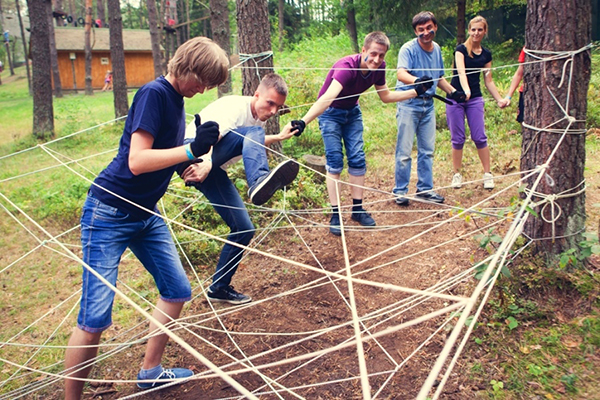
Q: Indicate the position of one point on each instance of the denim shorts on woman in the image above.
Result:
(105, 234)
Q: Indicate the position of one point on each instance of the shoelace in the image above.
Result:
(165, 374)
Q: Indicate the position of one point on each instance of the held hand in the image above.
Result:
(287, 132)
(196, 172)
(426, 81)
(299, 126)
(503, 103)
(207, 135)
(458, 96)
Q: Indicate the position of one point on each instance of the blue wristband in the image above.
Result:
(188, 152)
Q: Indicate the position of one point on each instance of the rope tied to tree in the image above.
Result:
(551, 200)
(265, 55)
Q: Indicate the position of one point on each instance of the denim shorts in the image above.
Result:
(339, 126)
(106, 232)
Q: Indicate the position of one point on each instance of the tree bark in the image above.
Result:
(461, 6)
(100, 13)
(556, 26)
(219, 25)
(155, 38)
(117, 55)
(255, 38)
(43, 112)
(54, 55)
(89, 91)
(280, 11)
(351, 24)
(26, 55)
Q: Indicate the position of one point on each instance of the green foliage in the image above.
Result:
(593, 105)
(488, 238)
(586, 248)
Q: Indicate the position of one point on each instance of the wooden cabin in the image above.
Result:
(70, 46)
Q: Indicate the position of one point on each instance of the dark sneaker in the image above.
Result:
(431, 196)
(228, 295)
(401, 200)
(166, 376)
(281, 176)
(363, 218)
(334, 225)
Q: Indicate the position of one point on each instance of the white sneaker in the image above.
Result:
(456, 181)
(488, 181)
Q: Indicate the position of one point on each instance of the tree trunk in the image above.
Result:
(219, 24)
(117, 56)
(43, 112)
(155, 38)
(280, 23)
(556, 26)
(54, 56)
(461, 6)
(26, 55)
(351, 24)
(101, 15)
(57, 7)
(72, 12)
(9, 57)
(88, 48)
(255, 42)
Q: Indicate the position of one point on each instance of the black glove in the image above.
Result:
(299, 126)
(458, 96)
(207, 135)
(421, 89)
(426, 81)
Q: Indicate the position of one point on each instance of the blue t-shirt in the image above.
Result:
(419, 63)
(346, 71)
(158, 109)
(478, 61)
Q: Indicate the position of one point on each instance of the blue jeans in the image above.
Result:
(415, 117)
(337, 126)
(105, 234)
(225, 198)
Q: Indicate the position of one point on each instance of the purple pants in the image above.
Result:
(455, 115)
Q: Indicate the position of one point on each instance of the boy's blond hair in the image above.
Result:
(202, 59)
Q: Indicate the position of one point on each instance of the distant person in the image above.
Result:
(112, 220)
(340, 120)
(470, 58)
(241, 122)
(107, 81)
(419, 62)
(516, 80)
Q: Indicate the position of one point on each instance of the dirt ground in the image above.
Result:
(282, 324)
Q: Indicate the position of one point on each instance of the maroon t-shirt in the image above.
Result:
(346, 71)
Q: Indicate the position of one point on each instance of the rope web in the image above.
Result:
(360, 318)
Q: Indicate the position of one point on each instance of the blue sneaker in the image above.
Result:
(227, 295)
(334, 225)
(166, 376)
(363, 218)
(431, 196)
(401, 200)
